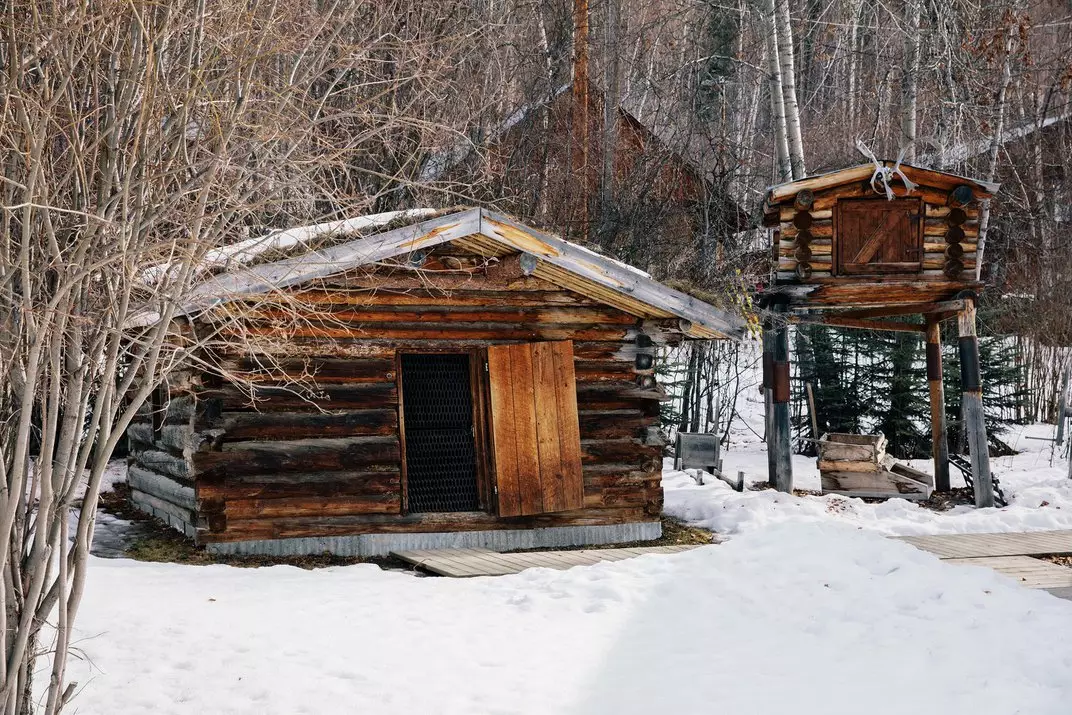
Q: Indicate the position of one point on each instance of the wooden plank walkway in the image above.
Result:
(1029, 571)
(484, 562)
(1007, 553)
(965, 546)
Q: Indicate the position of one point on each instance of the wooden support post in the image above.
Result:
(972, 407)
(939, 441)
(1062, 407)
(768, 394)
(812, 414)
(779, 446)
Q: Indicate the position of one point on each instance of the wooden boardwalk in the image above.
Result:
(1007, 553)
(484, 562)
(966, 546)
(1030, 572)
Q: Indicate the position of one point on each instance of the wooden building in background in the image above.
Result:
(539, 164)
(459, 381)
(863, 247)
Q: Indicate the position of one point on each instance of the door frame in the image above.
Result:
(478, 396)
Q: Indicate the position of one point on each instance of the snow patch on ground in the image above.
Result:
(1039, 493)
(805, 618)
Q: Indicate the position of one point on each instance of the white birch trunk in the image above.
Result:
(910, 79)
(995, 148)
(784, 31)
(774, 79)
(612, 98)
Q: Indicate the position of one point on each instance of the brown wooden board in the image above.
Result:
(534, 428)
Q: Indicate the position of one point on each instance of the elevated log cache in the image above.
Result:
(838, 243)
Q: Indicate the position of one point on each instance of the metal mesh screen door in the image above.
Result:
(437, 406)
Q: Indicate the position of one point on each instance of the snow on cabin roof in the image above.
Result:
(928, 177)
(566, 264)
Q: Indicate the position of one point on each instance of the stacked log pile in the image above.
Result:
(858, 466)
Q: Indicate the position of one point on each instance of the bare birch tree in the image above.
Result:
(146, 134)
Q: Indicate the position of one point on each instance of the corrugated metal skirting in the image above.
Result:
(498, 540)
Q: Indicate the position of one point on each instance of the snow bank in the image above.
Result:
(801, 618)
(1039, 493)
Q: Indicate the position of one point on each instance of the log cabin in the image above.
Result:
(448, 379)
(866, 247)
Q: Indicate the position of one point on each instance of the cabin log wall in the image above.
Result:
(270, 464)
(158, 470)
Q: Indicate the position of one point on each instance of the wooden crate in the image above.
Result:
(841, 447)
(857, 465)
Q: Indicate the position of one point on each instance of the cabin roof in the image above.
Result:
(491, 234)
(781, 193)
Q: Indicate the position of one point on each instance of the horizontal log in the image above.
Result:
(391, 280)
(792, 277)
(885, 483)
(624, 451)
(302, 484)
(282, 426)
(320, 370)
(790, 264)
(162, 505)
(313, 506)
(161, 487)
(163, 463)
(176, 439)
(285, 528)
(606, 427)
(819, 230)
(839, 322)
(874, 290)
(610, 371)
(817, 248)
(935, 211)
(507, 332)
(374, 348)
(846, 465)
(329, 397)
(787, 213)
(558, 315)
(938, 227)
(328, 454)
(426, 297)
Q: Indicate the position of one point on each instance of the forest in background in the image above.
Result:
(143, 137)
(754, 93)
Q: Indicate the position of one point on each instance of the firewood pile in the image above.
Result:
(857, 465)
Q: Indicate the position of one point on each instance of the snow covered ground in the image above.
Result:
(1039, 493)
(805, 609)
(802, 618)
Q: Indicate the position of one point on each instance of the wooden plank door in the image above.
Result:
(878, 236)
(535, 434)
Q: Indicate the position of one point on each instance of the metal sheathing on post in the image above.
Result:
(779, 447)
(972, 407)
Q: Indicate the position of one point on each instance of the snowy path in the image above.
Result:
(801, 618)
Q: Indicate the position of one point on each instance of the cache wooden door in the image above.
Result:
(878, 236)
